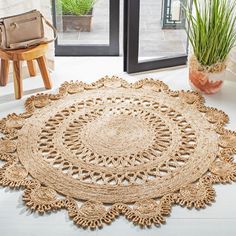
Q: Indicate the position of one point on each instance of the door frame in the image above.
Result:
(131, 43)
(111, 49)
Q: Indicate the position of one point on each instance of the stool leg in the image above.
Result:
(17, 79)
(31, 68)
(44, 72)
(4, 72)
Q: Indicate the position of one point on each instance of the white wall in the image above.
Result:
(232, 64)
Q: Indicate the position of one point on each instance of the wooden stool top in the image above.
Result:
(24, 54)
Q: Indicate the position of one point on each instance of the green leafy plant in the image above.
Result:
(211, 30)
(76, 7)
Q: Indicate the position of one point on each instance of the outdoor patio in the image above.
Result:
(154, 42)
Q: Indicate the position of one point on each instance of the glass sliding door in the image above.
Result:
(156, 36)
(90, 31)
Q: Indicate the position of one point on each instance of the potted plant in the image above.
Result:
(77, 14)
(212, 35)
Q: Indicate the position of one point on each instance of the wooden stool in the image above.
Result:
(19, 55)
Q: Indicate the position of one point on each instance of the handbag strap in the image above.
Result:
(52, 27)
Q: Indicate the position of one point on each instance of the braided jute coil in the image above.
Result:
(113, 148)
(215, 68)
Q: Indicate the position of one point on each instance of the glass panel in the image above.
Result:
(161, 33)
(78, 25)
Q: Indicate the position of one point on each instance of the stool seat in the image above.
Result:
(17, 56)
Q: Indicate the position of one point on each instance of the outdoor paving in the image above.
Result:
(154, 42)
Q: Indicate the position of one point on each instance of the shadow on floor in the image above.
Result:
(11, 97)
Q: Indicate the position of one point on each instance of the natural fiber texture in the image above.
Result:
(216, 68)
(112, 148)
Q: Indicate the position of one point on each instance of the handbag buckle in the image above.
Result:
(13, 26)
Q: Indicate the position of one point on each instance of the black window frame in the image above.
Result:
(111, 49)
(131, 44)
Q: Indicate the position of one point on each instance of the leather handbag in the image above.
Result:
(24, 30)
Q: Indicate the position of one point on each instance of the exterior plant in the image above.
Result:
(77, 14)
(77, 7)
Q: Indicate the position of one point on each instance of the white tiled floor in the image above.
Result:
(217, 220)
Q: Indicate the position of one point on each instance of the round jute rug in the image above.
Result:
(109, 148)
